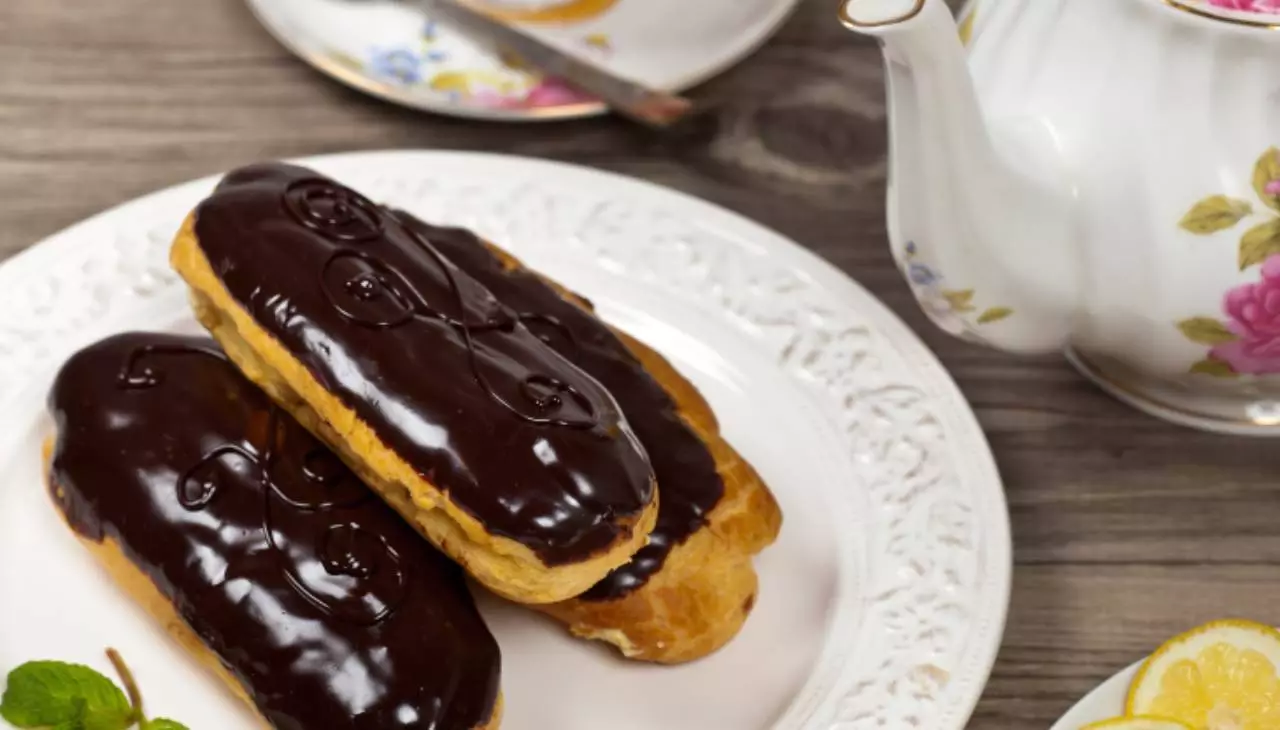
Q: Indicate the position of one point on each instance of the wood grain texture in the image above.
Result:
(1127, 529)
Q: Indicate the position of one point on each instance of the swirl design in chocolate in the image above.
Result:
(333, 210)
(367, 291)
(687, 476)
(442, 371)
(326, 606)
(363, 581)
(201, 483)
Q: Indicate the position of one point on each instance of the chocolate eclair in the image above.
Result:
(258, 550)
(688, 591)
(503, 453)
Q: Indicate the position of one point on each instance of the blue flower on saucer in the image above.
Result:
(396, 64)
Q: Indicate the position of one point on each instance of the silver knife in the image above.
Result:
(650, 107)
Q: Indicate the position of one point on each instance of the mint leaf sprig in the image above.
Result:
(61, 696)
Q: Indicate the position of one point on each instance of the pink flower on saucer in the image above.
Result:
(546, 93)
(1254, 311)
(553, 92)
(1249, 6)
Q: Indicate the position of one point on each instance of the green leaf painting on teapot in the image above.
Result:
(1247, 340)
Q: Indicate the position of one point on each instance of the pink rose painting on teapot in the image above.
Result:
(1247, 342)
(1254, 6)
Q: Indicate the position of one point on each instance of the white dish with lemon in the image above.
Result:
(1220, 676)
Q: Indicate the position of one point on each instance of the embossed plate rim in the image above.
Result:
(893, 670)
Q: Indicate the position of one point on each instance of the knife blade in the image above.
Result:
(651, 107)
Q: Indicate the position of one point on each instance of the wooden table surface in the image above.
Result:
(1127, 530)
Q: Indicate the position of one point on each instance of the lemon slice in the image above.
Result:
(1221, 676)
(1138, 723)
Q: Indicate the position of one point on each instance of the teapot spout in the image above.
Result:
(979, 219)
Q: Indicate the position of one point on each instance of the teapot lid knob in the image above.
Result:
(875, 13)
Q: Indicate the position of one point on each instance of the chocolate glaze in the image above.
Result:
(443, 373)
(687, 477)
(327, 606)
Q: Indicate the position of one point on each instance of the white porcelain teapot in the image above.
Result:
(1099, 176)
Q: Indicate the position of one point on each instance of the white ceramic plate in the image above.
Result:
(390, 49)
(881, 606)
(1104, 703)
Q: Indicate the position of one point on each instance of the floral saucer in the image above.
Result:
(392, 50)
